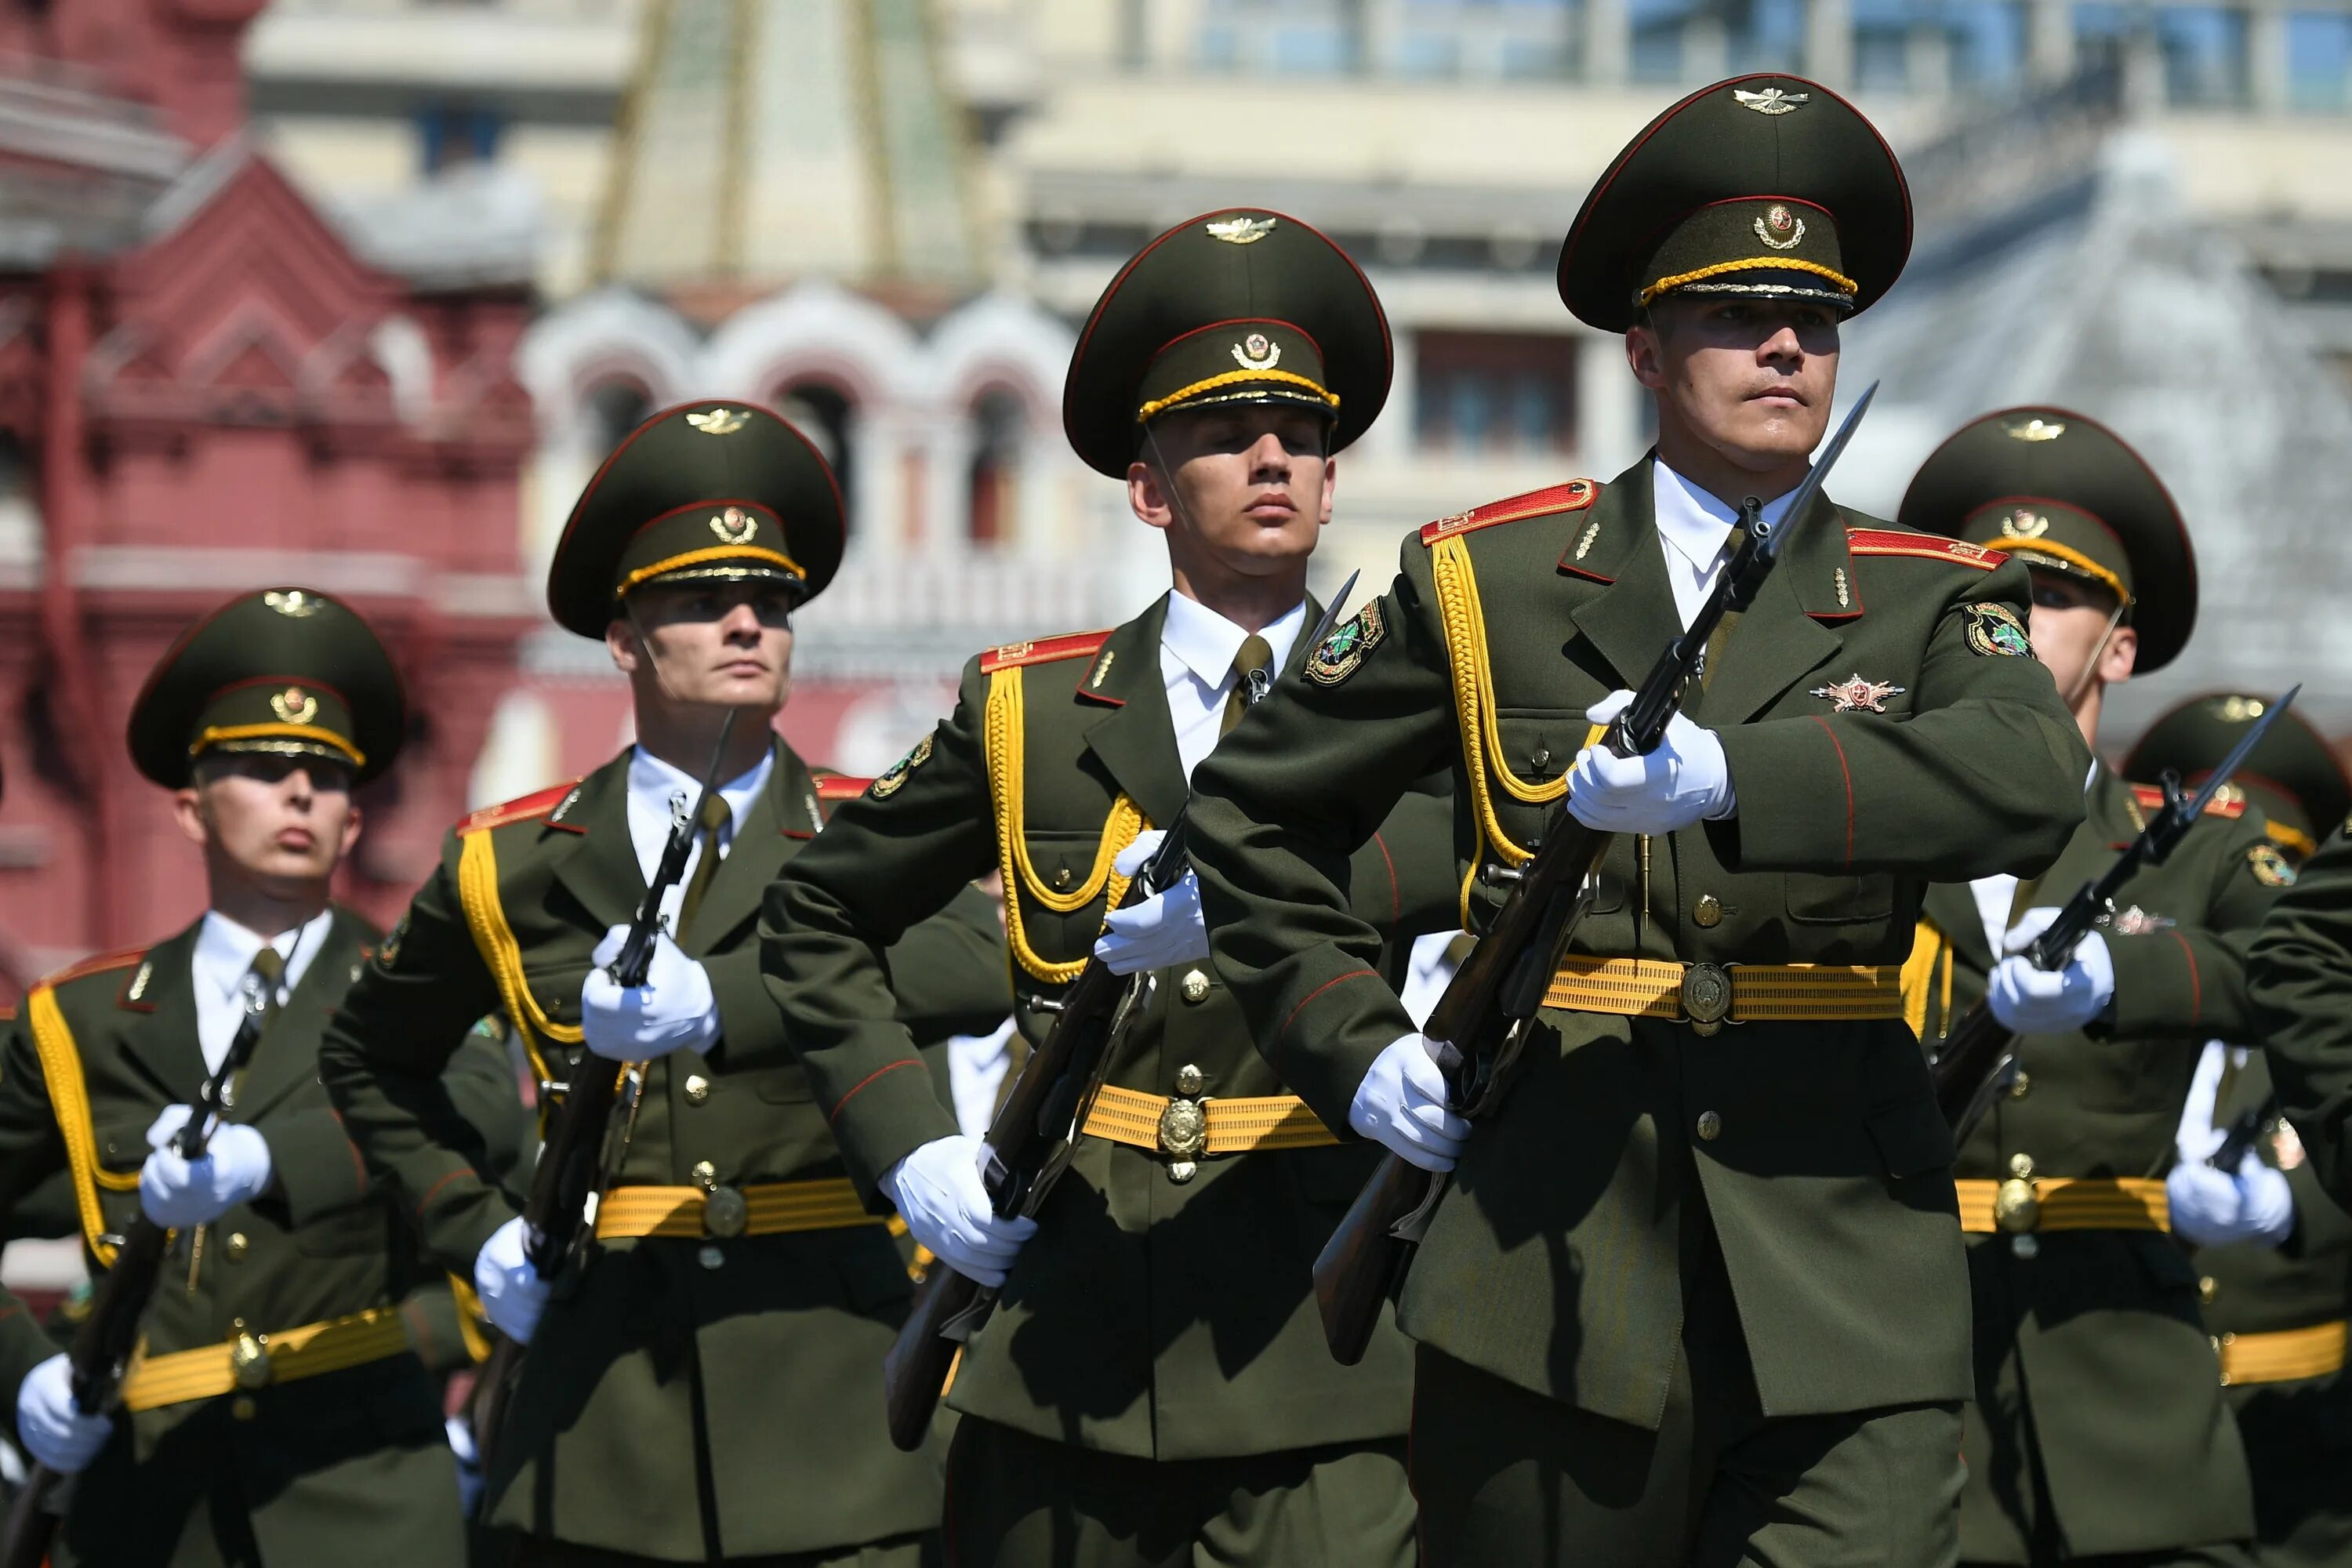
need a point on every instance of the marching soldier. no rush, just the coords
(2300, 972)
(1154, 1387)
(1695, 1292)
(276, 1412)
(698, 1386)
(2099, 1429)
(2274, 1255)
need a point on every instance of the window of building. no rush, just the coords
(450, 135)
(825, 414)
(993, 479)
(2204, 50)
(1764, 35)
(1495, 392)
(1283, 38)
(1657, 49)
(2319, 58)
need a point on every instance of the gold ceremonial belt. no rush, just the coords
(1709, 995)
(255, 1361)
(1186, 1128)
(2285, 1356)
(2062, 1202)
(773, 1208)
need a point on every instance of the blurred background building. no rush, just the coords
(889, 217)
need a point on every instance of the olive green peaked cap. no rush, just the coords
(718, 487)
(288, 671)
(1238, 306)
(2293, 774)
(1767, 187)
(2065, 493)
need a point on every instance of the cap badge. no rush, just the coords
(734, 526)
(294, 705)
(1256, 352)
(1241, 230)
(2036, 430)
(2025, 523)
(291, 602)
(1779, 228)
(1855, 695)
(719, 421)
(1772, 100)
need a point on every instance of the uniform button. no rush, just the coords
(2207, 1290)
(1062, 879)
(242, 1407)
(1190, 1080)
(698, 1088)
(2021, 1085)
(711, 1257)
(1196, 986)
(2020, 1166)
(704, 1172)
(1707, 911)
(237, 1246)
(1711, 1125)
(1542, 759)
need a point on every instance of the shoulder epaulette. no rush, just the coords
(1573, 496)
(121, 958)
(520, 810)
(2227, 802)
(840, 786)
(1927, 546)
(1045, 650)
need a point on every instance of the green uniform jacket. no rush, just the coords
(349, 1467)
(1553, 1261)
(739, 1372)
(2300, 971)
(2092, 1363)
(1147, 1317)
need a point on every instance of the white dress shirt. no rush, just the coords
(1694, 526)
(224, 952)
(1196, 659)
(654, 785)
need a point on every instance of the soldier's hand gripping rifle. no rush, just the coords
(103, 1345)
(1033, 1136)
(1979, 1057)
(572, 1165)
(1482, 1018)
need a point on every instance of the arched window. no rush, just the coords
(823, 412)
(992, 486)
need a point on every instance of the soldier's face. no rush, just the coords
(1247, 488)
(276, 823)
(1752, 380)
(2069, 627)
(721, 643)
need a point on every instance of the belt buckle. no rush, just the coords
(1706, 997)
(2016, 1206)
(248, 1361)
(1183, 1130)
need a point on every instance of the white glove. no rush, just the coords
(673, 1008)
(2213, 1208)
(940, 1196)
(177, 1193)
(512, 1293)
(51, 1425)
(1685, 780)
(1164, 929)
(2032, 1001)
(470, 1463)
(1401, 1104)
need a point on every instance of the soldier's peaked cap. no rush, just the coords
(285, 671)
(2064, 492)
(1241, 305)
(716, 488)
(2293, 774)
(1766, 186)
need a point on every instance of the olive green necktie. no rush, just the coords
(1255, 654)
(270, 970)
(716, 816)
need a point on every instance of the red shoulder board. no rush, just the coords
(1045, 650)
(2228, 802)
(1573, 496)
(521, 810)
(98, 963)
(840, 786)
(1927, 546)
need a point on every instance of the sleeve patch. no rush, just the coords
(2270, 867)
(893, 776)
(1995, 629)
(1343, 653)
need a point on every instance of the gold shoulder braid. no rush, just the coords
(69, 1102)
(486, 919)
(1003, 740)
(1927, 982)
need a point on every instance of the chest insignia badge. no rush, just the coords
(1338, 655)
(2137, 921)
(1855, 695)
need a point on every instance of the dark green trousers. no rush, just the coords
(900, 1552)
(2299, 1448)
(2227, 1555)
(1019, 1501)
(1508, 1478)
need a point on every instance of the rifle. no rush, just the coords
(1480, 1024)
(102, 1347)
(1979, 1057)
(2244, 1127)
(572, 1165)
(1033, 1136)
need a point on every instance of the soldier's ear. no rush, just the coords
(622, 641)
(188, 811)
(1151, 494)
(1645, 352)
